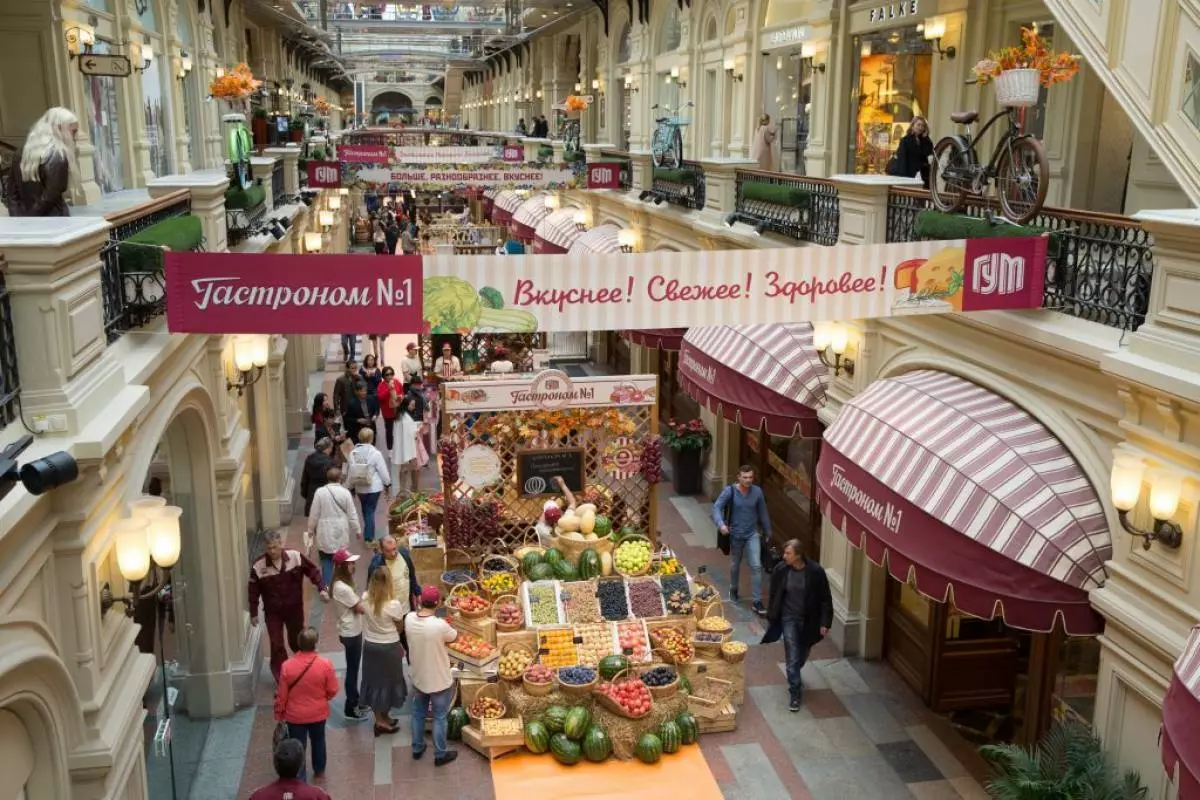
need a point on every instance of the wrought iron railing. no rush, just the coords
(813, 216)
(278, 190)
(1099, 267)
(10, 377)
(131, 299)
(622, 158)
(687, 191)
(241, 223)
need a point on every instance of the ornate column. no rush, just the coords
(208, 201)
(291, 167)
(720, 182)
(863, 203)
(295, 387)
(263, 168)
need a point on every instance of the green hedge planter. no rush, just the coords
(545, 151)
(178, 234)
(237, 199)
(789, 196)
(677, 176)
(574, 156)
(937, 225)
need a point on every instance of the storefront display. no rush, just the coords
(787, 76)
(784, 469)
(891, 75)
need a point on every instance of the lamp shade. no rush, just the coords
(626, 237)
(163, 535)
(579, 217)
(935, 28)
(808, 50)
(260, 349)
(551, 201)
(243, 355)
(1126, 481)
(326, 219)
(839, 339)
(343, 191)
(133, 548)
(312, 242)
(1165, 488)
(822, 334)
(335, 202)
(142, 506)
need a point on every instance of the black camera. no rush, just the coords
(40, 476)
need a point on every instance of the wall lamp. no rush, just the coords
(552, 202)
(626, 238)
(736, 217)
(732, 71)
(1166, 486)
(580, 219)
(250, 354)
(185, 64)
(831, 340)
(146, 541)
(147, 53)
(935, 30)
(809, 50)
(80, 40)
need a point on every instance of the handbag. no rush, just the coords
(360, 473)
(281, 728)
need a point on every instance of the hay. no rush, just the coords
(530, 707)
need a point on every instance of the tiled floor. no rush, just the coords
(861, 733)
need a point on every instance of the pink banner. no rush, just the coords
(261, 293)
(324, 175)
(514, 153)
(602, 175)
(365, 153)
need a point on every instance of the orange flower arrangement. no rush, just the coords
(575, 103)
(237, 84)
(1032, 54)
(322, 106)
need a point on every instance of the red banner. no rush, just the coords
(324, 175)
(514, 153)
(603, 175)
(365, 153)
(267, 293)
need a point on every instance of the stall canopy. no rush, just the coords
(1181, 729)
(670, 339)
(968, 497)
(556, 232)
(527, 216)
(505, 204)
(601, 239)
(489, 202)
(756, 375)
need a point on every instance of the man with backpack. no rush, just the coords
(743, 524)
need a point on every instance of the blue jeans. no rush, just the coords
(752, 547)
(326, 567)
(353, 646)
(349, 345)
(314, 731)
(439, 703)
(369, 502)
(795, 653)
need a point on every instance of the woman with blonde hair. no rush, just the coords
(383, 686)
(47, 167)
(762, 150)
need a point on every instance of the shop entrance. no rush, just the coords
(785, 469)
(891, 82)
(994, 683)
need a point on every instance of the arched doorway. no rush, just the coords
(387, 105)
(39, 713)
(433, 109)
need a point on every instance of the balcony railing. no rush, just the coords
(807, 209)
(278, 192)
(132, 294)
(681, 187)
(1099, 267)
(622, 158)
(10, 378)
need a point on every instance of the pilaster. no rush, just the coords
(863, 203)
(270, 438)
(726, 457)
(532, 146)
(263, 168)
(594, 152)
(641, 169)
(208, 201)
(720, 182)
(296, 386)
(291, 167)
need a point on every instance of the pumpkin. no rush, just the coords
(568, 522)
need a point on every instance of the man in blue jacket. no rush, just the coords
(741, 513)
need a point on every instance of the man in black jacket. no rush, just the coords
(800, 611)
(315, 468)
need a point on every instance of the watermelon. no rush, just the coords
(577, 722)
(589, 564)
(553, 556)
(649, 748)
(563, 571)
(537, 738)
(689, 729)
(531, 560)
(564, 750)
(596, 744)
(540, 572)
(628, 530)
(610, 665)
(555, 718)
(456, 720)
(603, 526)
(670, 736)
(685, 685)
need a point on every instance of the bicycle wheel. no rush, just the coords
(658, 146)
(1022, 179)
(676, 147)
(949, 176)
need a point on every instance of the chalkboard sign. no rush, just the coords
(537, 469)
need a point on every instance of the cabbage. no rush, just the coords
(451, 305)
(491, 298)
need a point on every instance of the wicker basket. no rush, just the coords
(517, 646)
(572, 549)
(510, 564)
(615, 707)
(536, 689)
(507, 627)
(457, 566)
(732, 658)
(719, 607)
(1018, 88)
(644, 570)
(661, 692)
(528, 547)
(666, 655)
(488, 690)
(576, 689)
(464, 588)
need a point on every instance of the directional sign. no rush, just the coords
(105, 66)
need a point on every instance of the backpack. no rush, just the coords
(359, 475)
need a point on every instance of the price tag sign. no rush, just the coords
(703, 569)
(545, 651)
(462, 665)
(493, 678)
(565, 595)
(578, 640)
(533, 598)
(701, 668)
(628, 651)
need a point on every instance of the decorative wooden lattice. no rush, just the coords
(476, 350)
(465, 234)
(611, 437)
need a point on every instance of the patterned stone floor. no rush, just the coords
(861, 734)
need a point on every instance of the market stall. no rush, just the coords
(557, 231)
(601, 239)
(505, 205)
(527, 217)
(477, 352)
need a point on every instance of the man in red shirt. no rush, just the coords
(277, 578)
(289, 758)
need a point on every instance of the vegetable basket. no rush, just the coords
(457, 571)
(572, 549)
(506, 627)
(511, 646)
(575, 689)
(487, 690)
(645, 568)
(731, 656)
(461, 590)
(612, 705)
(661, 692)
(492, 568)
(536, 689)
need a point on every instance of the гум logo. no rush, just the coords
(326, 174)
(998, 273)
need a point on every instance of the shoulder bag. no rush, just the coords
(360, 471)
(723, 543)
(281, 729)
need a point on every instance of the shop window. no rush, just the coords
(154, 111)
(787, 97)
(891, 82)
(671, 34)
(104, 122)
(710, 29)
(625, 44)
(1074, 694)
(1191, 91)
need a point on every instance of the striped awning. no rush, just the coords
(489, 194)
(601, 239)
(970, 497)
(526, 218)
(756, 375)
(505, 205)
(670, 339)
(1181, 722)
(556, 232)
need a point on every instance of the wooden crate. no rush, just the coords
(725, 721)
(468, 688)
(527, 638)
(473, 739)
(699, 668)
(483, 627)
(502, 740)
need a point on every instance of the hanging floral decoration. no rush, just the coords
(576, 103)
(1032, 54)
(322, 106)
(237, 84)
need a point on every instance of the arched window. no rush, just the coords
(671, 33)
(710, 29)
(625, 44)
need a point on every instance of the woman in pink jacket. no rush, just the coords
(307, 683)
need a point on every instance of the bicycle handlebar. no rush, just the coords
(664, 107)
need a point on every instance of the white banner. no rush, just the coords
(494, 175)
(446, 155)
(550, 389)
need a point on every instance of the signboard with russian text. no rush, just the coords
(495, 175)
(604, 175)
(549, 389)
(514, 153)
(365, 153)
(324, 175)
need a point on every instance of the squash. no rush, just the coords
(606, 564)
(587, 522)
(569, 522)
(591, 537)
(574, 536)
(586, 508)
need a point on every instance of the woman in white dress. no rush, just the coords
(408, 453)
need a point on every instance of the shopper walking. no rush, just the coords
(356, 415)
(740, 513)
(399, 565)
(409, 454)
(289, 761)
(800, 611)
(343, 387)
(369, 477)
(383, 686)
(914, 152)
(390, 394)
(433, 685)
(331, 521)
(349, 607)
(316, 467)
(762, 149)
(307, 683)
(277, 579)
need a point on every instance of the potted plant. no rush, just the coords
(688, 442)
(1069, 762)
(1019, 73)
(258, 126)
(296, 130)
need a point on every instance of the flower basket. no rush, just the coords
(1018, 88)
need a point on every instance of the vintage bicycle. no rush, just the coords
(569, 133)
(238, 149)
(1018, 167)
(666, 144)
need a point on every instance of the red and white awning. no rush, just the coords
(1181, 722)
(505, 205)
(527, 216)
(601, 239)
(556, 232)
(489, 194)
(971, 496)
(670, 339)
(756, 375)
